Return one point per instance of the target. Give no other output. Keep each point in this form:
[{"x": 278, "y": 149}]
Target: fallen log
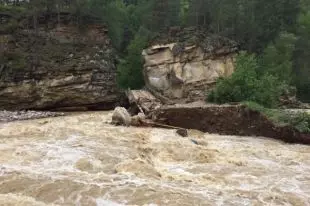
[{"x": 143, "y": 100}]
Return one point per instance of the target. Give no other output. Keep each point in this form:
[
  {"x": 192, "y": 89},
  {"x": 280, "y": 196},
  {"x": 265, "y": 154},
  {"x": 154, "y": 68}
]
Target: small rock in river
[
  {"x": 182, "y": 132},
  {"x": 194, "y": 141}
]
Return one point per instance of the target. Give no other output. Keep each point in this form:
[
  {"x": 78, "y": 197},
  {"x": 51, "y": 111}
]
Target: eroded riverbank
[{"x": 82, "y": 160}]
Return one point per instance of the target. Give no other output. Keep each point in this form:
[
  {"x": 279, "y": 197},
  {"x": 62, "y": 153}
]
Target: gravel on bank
[{"x": 9, "y": 116}]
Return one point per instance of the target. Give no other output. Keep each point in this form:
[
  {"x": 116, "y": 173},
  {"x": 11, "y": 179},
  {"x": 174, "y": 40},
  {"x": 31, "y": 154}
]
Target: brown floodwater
[{"x": 82, "y": 160}]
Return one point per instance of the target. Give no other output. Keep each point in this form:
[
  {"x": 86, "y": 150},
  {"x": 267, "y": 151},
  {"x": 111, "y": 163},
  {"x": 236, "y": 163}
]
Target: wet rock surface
[
  {"x": 9, "y": 116},
  {"x": 185, "y": 64},
  {"x": 121, "y": 117},
  {"x": 182, "y": 132}
]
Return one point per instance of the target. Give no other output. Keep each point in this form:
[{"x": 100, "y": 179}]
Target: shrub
[
  {"x": 268, "y": 90},
  {"x": 240, "y": 85},
  {"x": 130, "y": 68},
  {"x": 262, "y": 80},
  {"x": 246, "y": 85},
  {"x": 296, "y": 119},
  {"x": 301, "y": 121},
  {"x": 277, "y": 57}
]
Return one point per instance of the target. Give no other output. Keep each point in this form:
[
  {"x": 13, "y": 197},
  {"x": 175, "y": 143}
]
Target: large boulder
[
  {"x": 186, "y": 63},
  {"x": 121, "y": 117},
  {"x": 56, "y": 65}
]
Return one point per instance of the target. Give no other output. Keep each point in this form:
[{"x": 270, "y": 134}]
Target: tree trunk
[{"x": 35, "y": 26}]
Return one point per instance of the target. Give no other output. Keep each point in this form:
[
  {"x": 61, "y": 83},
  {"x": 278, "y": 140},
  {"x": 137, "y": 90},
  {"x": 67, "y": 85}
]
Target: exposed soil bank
[{"x": 227, "y": 120}]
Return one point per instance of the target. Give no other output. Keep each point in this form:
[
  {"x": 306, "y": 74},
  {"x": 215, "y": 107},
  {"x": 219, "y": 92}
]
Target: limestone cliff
[
  {"x": 51, "y": 62},
  {"x": 187, "y": 66}
]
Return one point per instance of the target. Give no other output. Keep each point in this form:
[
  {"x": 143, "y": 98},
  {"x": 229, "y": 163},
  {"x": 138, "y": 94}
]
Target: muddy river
[{"x": 82, "y": 160}]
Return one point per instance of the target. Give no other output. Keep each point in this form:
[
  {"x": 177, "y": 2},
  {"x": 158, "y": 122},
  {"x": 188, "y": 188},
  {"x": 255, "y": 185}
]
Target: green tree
[
  {"x": 165, "y": 13},
  {"x": 302, "y": 52},
  {"x": 130, "y": 68},
  {"x": 253, "y": 23},
  {"x": 277, "y": 58},
  {"x": 116, "y": 18},
  {"x": 246, "y": 85}
]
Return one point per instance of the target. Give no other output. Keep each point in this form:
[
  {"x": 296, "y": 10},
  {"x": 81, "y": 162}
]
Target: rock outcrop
[
  {"x": 55, "y": 64},
  {"x": 142, "y": 101},
  {"x": 185, "y": 64}
]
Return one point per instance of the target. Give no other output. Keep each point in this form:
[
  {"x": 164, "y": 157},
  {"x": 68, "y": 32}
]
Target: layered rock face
[
  {"x": 188, "y": 66},
  {"x": 56, "y": 64}
]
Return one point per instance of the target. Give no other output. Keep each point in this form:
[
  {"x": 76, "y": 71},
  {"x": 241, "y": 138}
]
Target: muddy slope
[{"x": 227, "y": 120}]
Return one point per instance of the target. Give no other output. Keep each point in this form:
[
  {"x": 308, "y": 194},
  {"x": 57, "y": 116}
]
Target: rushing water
[{"x": 82, "y": 160}]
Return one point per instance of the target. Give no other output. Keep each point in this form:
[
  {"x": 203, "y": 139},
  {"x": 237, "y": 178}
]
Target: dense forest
[{"x": 274, "y": 37}]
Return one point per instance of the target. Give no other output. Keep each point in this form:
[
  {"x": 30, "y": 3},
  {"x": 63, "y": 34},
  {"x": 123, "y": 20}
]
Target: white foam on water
[
  {"x": 56, "y": 157},
  {"x": 103, "y": 202},
  {"x": 269, "y": 169}
]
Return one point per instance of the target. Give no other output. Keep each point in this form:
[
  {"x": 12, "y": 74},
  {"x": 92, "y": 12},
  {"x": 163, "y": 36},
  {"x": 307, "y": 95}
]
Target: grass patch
[{"x": 298, "y": 120}]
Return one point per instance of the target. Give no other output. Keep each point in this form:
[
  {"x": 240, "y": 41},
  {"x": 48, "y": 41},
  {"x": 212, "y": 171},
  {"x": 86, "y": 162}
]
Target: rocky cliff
[
  {"x": 185, "y": 64},
  {"x": 51, "y": 62}
]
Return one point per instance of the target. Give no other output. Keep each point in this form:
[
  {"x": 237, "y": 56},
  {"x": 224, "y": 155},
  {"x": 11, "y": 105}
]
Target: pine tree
[{"x": 302, "y": 52}]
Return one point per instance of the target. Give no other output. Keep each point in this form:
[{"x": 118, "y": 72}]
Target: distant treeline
[{"x": 256, "y": 25}]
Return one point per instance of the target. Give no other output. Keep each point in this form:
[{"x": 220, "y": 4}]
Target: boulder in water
[
  {"x": 182, "y": 132},
  {"x": 121, "y": 116},
  {"x": 138, "y": 120}
]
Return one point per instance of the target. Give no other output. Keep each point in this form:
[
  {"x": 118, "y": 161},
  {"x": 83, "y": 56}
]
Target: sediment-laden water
[{"x": 82, "y": 160}]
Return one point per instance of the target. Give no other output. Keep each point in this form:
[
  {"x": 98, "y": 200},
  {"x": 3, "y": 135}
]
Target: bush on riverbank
[
  {"x": 300, "y": 120},
  {"x": 247, "y": 85},
  {"x": 261, "y": 79}
]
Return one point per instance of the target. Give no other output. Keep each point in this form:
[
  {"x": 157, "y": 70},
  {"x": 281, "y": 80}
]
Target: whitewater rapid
[{"x": 80, "y": 159}]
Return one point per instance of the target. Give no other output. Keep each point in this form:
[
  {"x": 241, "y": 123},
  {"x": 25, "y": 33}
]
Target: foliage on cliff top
[
  {"x": 9, "y": 18},
  {"x": 194, "y": 35},
  {"x": 129, "y": 69},
  {"x": 246, "y": 85},
  {"x": 13, "y": 11},
  {"x": 261, "y": 79}
]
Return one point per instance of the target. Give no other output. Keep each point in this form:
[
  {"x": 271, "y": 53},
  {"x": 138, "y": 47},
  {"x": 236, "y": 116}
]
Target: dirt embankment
[{"x": 227, "y": 120}]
